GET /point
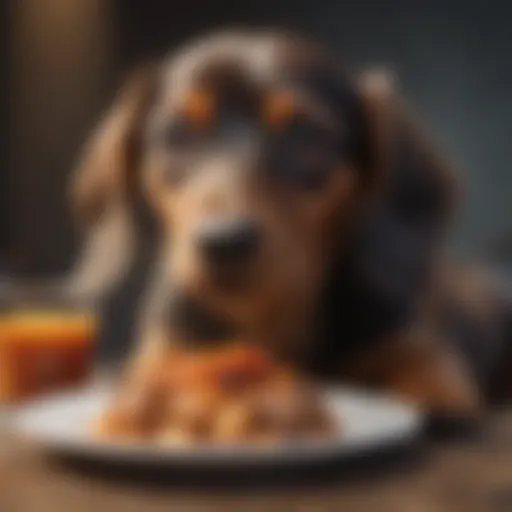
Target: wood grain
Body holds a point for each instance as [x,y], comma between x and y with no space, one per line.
[466,475]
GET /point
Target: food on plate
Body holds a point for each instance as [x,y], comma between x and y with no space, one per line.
[233,395]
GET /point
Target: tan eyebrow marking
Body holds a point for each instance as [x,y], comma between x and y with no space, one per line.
[199,107]
[280,107]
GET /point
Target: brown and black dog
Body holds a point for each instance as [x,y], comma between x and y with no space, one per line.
[292,205]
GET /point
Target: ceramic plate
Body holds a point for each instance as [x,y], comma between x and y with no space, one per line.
[366,423]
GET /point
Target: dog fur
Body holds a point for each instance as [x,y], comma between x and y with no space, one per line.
[350,275]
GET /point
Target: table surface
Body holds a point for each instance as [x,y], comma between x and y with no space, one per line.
[470,474]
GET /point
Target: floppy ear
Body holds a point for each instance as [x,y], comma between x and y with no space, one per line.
[105,189]
[398,140]
[376,90]
[402,236]
[387,264]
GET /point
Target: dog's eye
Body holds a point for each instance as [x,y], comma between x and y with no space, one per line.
[179,134]
[302,154]
[306,133]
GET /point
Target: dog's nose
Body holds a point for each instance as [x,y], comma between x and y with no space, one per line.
[229,241]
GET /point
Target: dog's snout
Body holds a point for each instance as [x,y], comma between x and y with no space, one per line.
[229,241]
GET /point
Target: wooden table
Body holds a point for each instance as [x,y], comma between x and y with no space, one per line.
[466,475]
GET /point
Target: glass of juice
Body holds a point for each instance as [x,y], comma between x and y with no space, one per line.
[47,340]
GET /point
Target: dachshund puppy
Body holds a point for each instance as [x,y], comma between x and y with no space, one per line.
[290,204]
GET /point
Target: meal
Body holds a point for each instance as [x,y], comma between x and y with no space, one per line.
[234,395]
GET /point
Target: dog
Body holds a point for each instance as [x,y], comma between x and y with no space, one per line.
[293,205]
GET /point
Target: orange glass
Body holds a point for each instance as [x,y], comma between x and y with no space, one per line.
[43,348]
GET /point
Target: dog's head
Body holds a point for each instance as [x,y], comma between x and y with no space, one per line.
[255,152]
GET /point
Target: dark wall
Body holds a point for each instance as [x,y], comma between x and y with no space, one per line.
[61,63]
[4,134]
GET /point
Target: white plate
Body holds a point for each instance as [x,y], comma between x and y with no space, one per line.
[367,422]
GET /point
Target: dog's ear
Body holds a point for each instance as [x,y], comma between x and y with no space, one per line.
[377,91]
[388,262]
[398,143]
[414,196]
[105,188]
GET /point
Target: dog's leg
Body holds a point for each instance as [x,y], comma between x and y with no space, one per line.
[438,382]
[426,374]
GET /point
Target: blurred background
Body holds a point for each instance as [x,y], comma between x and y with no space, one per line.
[64,59]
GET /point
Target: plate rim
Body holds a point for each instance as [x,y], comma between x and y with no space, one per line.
[407,427]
